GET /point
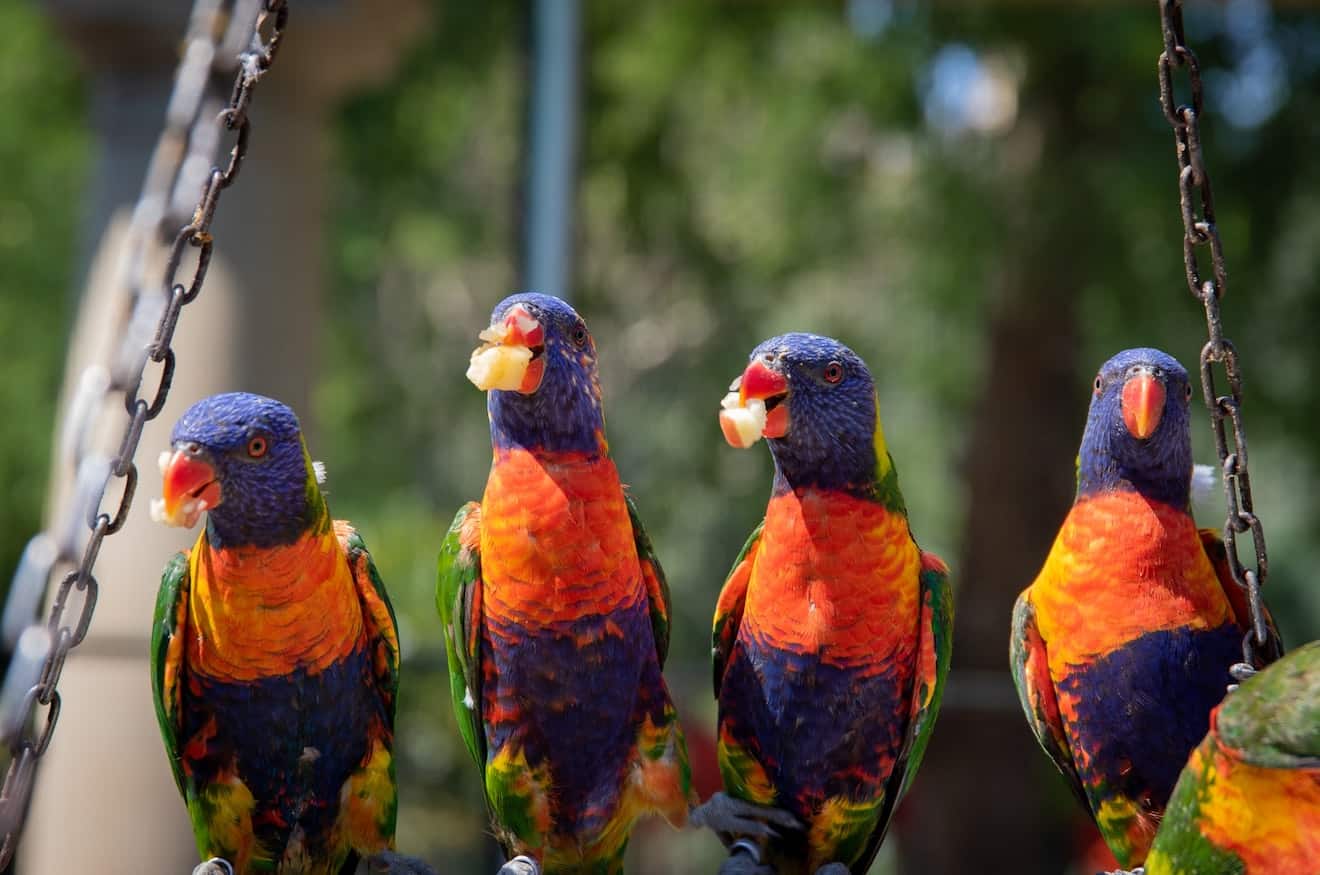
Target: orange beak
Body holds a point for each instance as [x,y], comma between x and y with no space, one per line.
[1143,404]
[191,487]
[758,381]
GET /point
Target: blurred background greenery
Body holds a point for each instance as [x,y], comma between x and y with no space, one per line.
[979,198]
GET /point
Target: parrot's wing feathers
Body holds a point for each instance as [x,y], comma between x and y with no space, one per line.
[934,653]
[377,615]
[1237,598]
[458,599]
[657,587]
[167,637]
[1035,688]
[729,608]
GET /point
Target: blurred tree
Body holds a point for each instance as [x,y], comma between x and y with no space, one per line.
[43,153]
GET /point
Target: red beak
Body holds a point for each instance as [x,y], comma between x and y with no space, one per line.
[521,328]
[191,486]
[759,381]
[1143,404]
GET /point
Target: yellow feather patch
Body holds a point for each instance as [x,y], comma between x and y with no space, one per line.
[368,803]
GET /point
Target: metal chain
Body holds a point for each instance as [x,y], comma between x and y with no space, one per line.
[217,30]
[1199,228]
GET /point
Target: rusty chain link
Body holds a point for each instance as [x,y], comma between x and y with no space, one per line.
[1199,229]
[223,36]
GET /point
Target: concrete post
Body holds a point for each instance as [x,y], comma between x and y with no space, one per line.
[105,801]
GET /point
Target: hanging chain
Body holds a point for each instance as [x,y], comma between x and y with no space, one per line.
[29,699]
[1199,228]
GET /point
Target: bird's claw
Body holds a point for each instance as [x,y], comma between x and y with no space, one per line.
[727,816]
[214,866]
[745,859]
[391,863]
[520,865]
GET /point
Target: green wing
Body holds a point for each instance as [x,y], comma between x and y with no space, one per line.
[934,655]
[729,608]
[378,614]
[657,587]
[458,599]
[167,636]
[1031,675]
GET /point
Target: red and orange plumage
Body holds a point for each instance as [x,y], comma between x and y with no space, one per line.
[832,631]
[275,655]
[1121,646]
[556,615]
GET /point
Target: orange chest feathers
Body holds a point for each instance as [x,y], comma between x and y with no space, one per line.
[254,613]
[556,539]
[836,575]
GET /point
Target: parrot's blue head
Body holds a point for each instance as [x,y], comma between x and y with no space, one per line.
[539,367]
[241,459]
[1138,432]
[822,418]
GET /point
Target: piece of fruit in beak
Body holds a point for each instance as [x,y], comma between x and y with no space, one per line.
[509,360]
[756,399]
[742,424]
[1143,404]
[191,488]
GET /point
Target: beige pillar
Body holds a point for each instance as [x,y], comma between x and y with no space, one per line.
[105,801]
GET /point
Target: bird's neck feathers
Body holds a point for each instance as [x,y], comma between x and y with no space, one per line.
[857,468]
[560,417]
[1111,461]
[273,514]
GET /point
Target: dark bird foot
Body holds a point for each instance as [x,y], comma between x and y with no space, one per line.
[833,869]
[520,865]
[214,866]
[730,817]
[745,859]
[390,863]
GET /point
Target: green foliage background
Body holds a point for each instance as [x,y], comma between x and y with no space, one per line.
[746,169]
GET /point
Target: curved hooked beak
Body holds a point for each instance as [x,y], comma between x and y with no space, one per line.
[1143,403]
[191,486]
[511,359]
[754,407]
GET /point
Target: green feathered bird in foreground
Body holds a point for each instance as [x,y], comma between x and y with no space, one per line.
[1248,802]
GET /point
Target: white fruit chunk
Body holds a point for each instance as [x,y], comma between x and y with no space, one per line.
[499,367]
[742,425]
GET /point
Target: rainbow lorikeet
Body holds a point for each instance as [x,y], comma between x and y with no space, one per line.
[1122,644]
[556,612]
[274,656]
[1248,801]
[832,634]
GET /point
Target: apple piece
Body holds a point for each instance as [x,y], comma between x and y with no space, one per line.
[742,425]
[499,367]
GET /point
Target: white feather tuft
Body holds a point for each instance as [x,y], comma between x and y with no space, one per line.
[318,468]
[1204,481]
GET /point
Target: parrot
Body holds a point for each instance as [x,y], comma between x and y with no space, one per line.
[1122,644]
[556,612]
[274,651]
[832,634]
[1248,800]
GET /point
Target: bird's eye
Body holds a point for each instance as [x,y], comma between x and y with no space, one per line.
[1189,391]
[579,335]
[1097,383]
[833,372]
[257,446]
